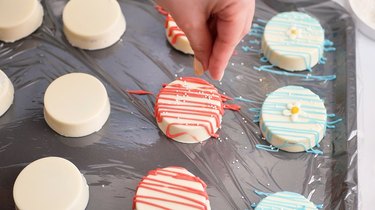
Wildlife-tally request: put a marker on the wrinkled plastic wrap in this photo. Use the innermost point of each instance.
(130, 144)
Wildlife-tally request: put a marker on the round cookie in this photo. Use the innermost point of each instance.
(93, 25)
(51, 183)
(76, 105)
(293, 119)
(176, 37)
(173, 188)
(19, 18)
(6, 93)
(285, 201)
(293, 41)
(189, 110)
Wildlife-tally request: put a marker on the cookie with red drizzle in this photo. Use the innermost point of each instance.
(172, 188)
(189, 110)
(176, 37)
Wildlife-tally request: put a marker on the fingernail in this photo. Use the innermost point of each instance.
(218, 77)
(221, 76)
(198, 67)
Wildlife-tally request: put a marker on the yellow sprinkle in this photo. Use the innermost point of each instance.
(294, 110)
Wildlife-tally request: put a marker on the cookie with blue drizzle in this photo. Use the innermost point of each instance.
(293, 119)
(285, 201)
(293, 41)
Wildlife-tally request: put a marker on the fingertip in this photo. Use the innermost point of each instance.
(219, 59)
(216, 72)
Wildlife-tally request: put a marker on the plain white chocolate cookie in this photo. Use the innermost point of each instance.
(173, 188)
(293, 41)
(176, 37)
(51, 183)
(76, 105)
(19, 18)
(93, 25)
(189, 110)
(6, 93)
(293, 119)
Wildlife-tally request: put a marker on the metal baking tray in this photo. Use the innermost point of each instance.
(114, 159)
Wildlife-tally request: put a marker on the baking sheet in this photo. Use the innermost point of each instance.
(114, 159)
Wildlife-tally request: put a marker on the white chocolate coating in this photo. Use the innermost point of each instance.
(93, 25)
(293, 119)
(176, 37)
(285, 201)
(189, 110)
(51, 183)
(293, 41)
(19, 18)
(76, 105)
(6, 93)
(172, 188)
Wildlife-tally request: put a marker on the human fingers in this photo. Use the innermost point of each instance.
(191, 17)
(230, 28)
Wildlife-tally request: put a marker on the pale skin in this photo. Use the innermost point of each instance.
(213, 27)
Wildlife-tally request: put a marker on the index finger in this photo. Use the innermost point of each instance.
(229, 32)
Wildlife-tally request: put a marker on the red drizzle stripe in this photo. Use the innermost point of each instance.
(174, 39)
(184, 176)
(198, 81)
(190, 103)
(161, 187)
(168, 18)
(183, 101)
(139, 92)
(149, 203)
(192, 93)
(189, 190)
(167, 200)
(161, 10)
(233, 107)
(225, 98)
(174, 194)
(173, 30)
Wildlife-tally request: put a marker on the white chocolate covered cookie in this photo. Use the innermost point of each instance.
(293, 119)
(189, 110)
(6, 93)
(51, 183)
(176, 37)
(19, 18)
(285, 201)
(293, 41)
(93, 25)
(173, 188)
(76, 105)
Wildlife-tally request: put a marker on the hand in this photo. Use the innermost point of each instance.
(213, 27)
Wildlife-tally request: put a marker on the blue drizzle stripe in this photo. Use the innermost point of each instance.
(268, 68)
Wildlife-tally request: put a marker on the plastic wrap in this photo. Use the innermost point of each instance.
(130, 144)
